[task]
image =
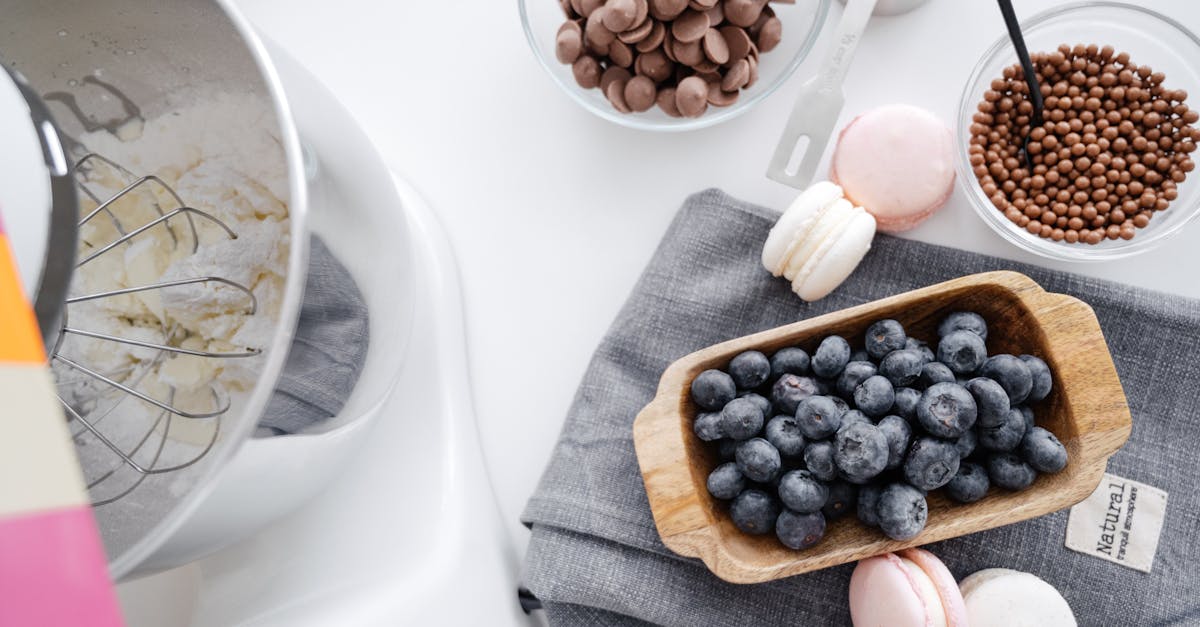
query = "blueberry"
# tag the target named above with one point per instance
(791, 360)
(883, 337)
(931, 463)
(840, 403)
(818, 459)
(1012, 374)
(711, 389)
(1027, 414)
(962, 351)
(946, 410)
(842, 498)
(1010, 472)
(799, 531)
(913, 344)
(852, 416)
(902, 511)
(902, 367)
(832, 355)
(1043, 451)
(860, 451)
(1042, 381)
(789, 390)
(741, 419)
(750, 369)
(936, 372)
(898, 433)
(963, 321)
(818, 417)
(758, 460)
(860, 355)
(990, 399)
(754, 512)
(874, 396)
(966, 444)
(708, 426)
(970, 484)
(784, 434)
(726, 481)
(800, 491)
(854, 373)
(1005, 436)
(763, 404)
(727, 449)
(868, 504)
(905, 404)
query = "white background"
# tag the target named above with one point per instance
(554, 212)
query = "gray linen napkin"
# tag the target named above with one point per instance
(327, 351)
(595, 557)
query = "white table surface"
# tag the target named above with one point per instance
(553, 212)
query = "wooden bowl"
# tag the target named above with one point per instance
(1086, 410)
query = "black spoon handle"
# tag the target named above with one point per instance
(1018, 41)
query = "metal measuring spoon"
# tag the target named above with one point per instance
(1035, 89)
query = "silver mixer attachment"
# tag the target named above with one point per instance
(123, 447)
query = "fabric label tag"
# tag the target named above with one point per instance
(1120, 522)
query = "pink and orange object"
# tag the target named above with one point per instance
(53, 569)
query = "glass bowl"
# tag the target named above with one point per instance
(801, 25)
(1151, 39)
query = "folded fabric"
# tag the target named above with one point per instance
(328, 349)
(595, 556)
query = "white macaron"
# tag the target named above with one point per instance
(999, 596)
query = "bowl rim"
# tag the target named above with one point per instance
(1024, 240)
(633, 121)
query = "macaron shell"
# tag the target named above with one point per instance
(943, 579)
(897, 162)
(840, 259)
(1014, 599)
(795, 221)
(822, 234)
(883, 593)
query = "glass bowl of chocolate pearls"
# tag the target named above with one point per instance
(1109, 172)
(671, 65)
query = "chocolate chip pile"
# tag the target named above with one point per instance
(1112, 150)
(683, 55)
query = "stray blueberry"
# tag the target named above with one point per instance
(763, 404)
(842, 498)
(741, 419)
(946, 410)
(832, 355)
(962, 351)
(818, 458)
(1005, 436)
(758, 460)
(727, 449)
(789, 390)
(905, 404)
(898, 433)
(970, 484)
(711, 389)
(963, 321)
(860, 355)
(799, 531)
(860, 451)
(818, 417)
(902, 367)
(966, 444)
(936, 372)
(1012, 374)
(726, 481)
(868, 504)
(913, 344)
(990, 399)
(784, 434)
(792, 360)
(902, 511)
(1010, 472)
(855, 372)
(1042, 381)
(1027, 414)
(802, 492)
(750, 369)
(931, 463)
(1043, 451)
(852, 416)
(874, 396)
(754, 512)
(883, 337)
(708, 426)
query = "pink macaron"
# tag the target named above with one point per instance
(912, 588)
(897, 162)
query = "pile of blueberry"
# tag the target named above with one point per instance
(872, 430)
